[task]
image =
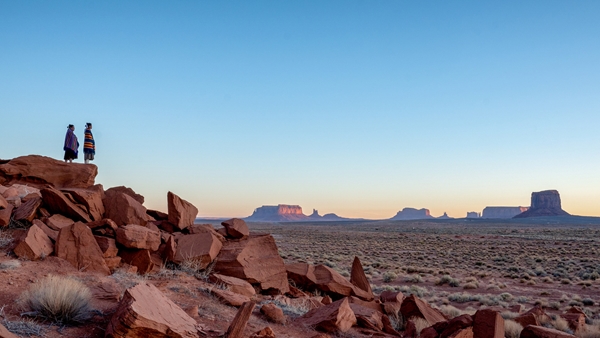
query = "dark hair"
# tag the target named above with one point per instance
(70, 126)
(88, 124)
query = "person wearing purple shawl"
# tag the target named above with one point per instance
(71, 144)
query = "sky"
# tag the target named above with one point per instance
(359, 108)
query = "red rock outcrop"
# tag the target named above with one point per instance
(391, 301)
(108, 246)
(533, 331)
(39, 171)
(413, 306)
(145, 312)
(181, 212)
(325, 279)
(488, 324)
(77, 245)
(58, 221)
(236, 228)
(337, 316)
(138, 237)
(123, 209)
(90, 198)
(3, 202)
(34, 245)
(457, 324)
(58, 203)
(367, 317)
(412, 213)
(202, 248)
(256, 260)
(544, 203)
(52, 234)
(230, 298)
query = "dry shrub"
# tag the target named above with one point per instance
(58, 299)
(451, 311)
(420, 324)
(592, 331)
(10, 264)
(561, 324)
(512, 329)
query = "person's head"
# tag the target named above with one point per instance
(72, 127)
(88, 125)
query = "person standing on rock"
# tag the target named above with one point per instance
(71, 144)
(89, 146)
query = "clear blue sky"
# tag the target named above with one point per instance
(357, 108)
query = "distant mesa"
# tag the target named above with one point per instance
(544, 203)
(445, 216)
(412, 213)
(502, 212)
(473, 214)
(288, 213)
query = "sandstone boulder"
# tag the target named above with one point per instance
(527, 319)
(127, 191)
(138, 237)
(123, 209)
(325, 279)
(90, 198)
(576, 321)
(230, 298)
(5, 215)
(488, 324)
(158, 215)
(145, 312)
(15, 201)
(28, 210)
(533, 331)
(236, 228)
(58, 203)
(273, 313)
(359, 279)
(256, 260)
(335, 317)
(391, 301)
(52, 234)
(202, 248)
(367, 317)
(267, 332)
(104, 227)
(77, 245)
(3, 202)
(38, 171)
(58, 221)
(413, 306)
(108, 246)
(233, 284)
(544, 203)
(182, 213)
(142, 259)
(457, 324)
(34, 245)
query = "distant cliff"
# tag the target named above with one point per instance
(502, 212)
(278, 213)
(412, 213)
(544, 203)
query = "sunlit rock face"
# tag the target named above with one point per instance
(412, 213)
(544, 203)
(502, 212)
(277, 213)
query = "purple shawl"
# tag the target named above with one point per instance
(71, 141)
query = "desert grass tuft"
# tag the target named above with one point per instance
(420, 324)
(512, 329)
(58, 299)
(10, 264)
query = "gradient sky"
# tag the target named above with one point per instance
(358, 108)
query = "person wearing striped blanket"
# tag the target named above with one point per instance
(89, 146)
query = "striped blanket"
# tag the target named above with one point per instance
(89, 146)
(71, 141)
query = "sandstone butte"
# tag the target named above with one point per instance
(98, 232)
